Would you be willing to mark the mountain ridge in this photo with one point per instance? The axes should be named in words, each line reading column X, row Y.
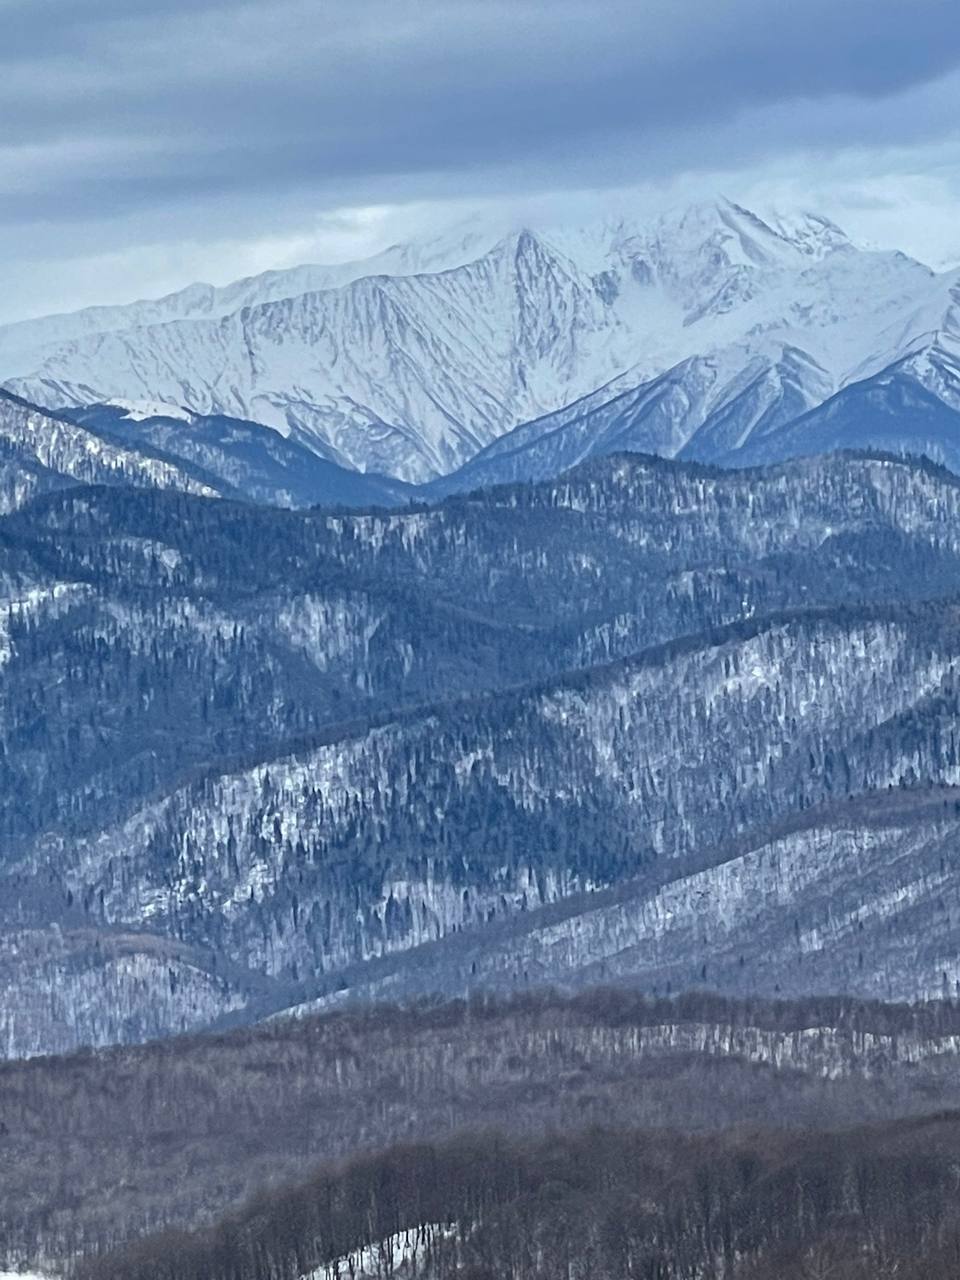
column 414, row 373
column 365, row 732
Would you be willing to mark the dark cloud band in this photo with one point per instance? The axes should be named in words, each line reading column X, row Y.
column 219, row 92
column 130, row 111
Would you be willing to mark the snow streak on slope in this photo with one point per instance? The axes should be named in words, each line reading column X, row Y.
column 407, row 1253
column 412, row 363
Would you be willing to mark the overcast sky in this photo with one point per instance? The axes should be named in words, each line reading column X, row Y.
column 149, row 143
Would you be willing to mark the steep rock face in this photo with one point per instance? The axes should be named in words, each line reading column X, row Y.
column 705, row 408
column 29, row 338
column 762, row 400
column 892, row 410
column 403, row 375
column 414, row 363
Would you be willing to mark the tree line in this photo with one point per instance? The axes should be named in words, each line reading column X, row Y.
column 600, row 1204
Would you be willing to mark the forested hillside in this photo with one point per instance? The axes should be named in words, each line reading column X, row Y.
column 479, row 691
column 245, row 750
column 864, row 1204
column 43, row 452
column 175, row 1134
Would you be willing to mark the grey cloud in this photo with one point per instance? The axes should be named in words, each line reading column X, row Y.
column 119, row 114
column 286, row 90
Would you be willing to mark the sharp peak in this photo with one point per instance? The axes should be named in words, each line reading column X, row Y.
column 786, row 225
column 707, row 207
column 522, row 240
column 522, row 235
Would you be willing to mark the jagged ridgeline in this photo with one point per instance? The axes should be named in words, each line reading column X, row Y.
column 252, row 758
column 497, row 354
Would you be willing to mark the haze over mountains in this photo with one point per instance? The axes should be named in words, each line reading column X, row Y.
column 480, row 357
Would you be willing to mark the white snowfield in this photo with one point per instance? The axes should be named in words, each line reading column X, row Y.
column 413, row 361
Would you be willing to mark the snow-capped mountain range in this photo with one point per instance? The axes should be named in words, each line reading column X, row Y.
column 707, row 332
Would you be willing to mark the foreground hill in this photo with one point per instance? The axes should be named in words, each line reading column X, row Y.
column 264, row 1108
column 873, row 1201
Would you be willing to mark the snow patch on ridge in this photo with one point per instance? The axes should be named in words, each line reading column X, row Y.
column 142, row 410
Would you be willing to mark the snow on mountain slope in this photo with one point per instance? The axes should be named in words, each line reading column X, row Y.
column 769, row 395
column 407, row 375
column 40, row 452
column 702, row 408
column 413, row 362
column 905, row 398
column 249, row 458
column 144, row 410
column 30, row 339
column 765, row 395
column 404, row 1255
column 892, row 410
column 927, row 330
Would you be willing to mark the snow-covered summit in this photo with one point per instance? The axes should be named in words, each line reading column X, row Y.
column 414, row 360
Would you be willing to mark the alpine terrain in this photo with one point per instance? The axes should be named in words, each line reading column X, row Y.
column 480, row 765
column 503, row 354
